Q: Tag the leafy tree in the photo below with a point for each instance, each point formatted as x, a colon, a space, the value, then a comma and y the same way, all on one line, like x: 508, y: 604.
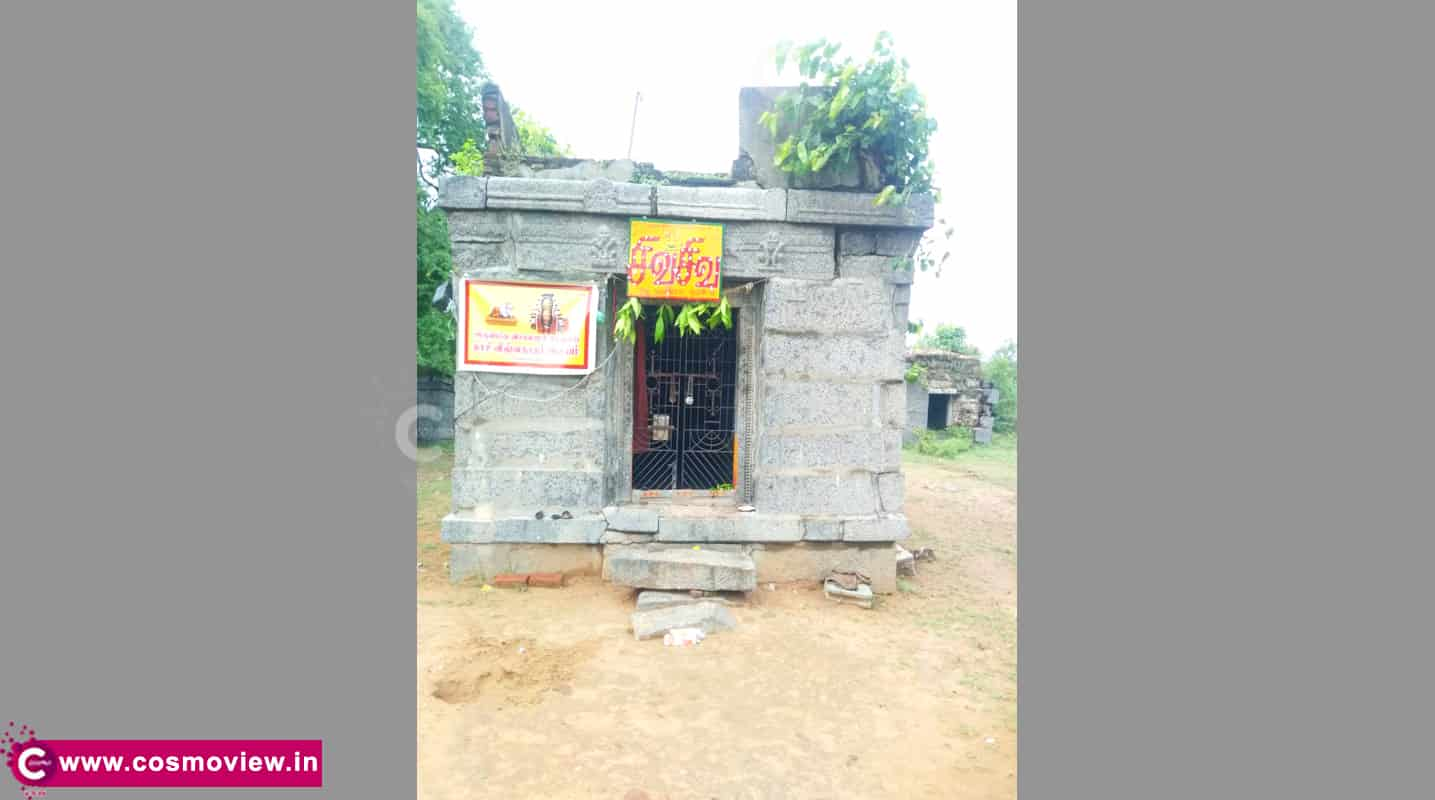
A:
x: 536, y: 140
x: 1000, y: 369
x: 952, y: 338
x: 450, y: 73
x: 866, y: 113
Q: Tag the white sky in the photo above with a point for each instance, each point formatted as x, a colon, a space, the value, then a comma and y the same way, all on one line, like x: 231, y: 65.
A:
x: 575, y: 68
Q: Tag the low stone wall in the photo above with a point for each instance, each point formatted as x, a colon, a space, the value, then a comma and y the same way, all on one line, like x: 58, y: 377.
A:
x: 957, y: 376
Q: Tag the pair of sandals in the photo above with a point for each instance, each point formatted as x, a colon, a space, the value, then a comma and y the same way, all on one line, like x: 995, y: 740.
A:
x: 564, y: 515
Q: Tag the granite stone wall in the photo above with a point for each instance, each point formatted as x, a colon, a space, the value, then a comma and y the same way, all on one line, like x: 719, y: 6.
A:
x: 822, y: 323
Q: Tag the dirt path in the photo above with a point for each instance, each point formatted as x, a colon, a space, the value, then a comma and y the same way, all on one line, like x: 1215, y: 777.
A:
x: 546, y: 694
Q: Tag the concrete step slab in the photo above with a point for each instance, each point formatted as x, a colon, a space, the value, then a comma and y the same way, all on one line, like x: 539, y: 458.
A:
x: 708, y: 570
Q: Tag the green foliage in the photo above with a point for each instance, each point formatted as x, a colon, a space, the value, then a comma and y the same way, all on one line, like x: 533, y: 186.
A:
x: 450, y: 72
x: 926, y: 258
x: 435, y: 326
x: 536, y: 140
x: 866, y: 114
x: 916, y: 373
x: 1000, y: 369
x: 689, y: 318
x: 468, y: 160
x: 949, y: 443
x: 952, y: 338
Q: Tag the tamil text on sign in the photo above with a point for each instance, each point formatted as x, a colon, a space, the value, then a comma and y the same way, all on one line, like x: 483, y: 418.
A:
x: 674, y: 260
x: 542, y: 328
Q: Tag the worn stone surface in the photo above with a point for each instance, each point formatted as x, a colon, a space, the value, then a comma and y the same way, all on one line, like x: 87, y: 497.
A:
x: 649, y: 599
x: 753, y: 527
x: 812, y: 561
x: 767, y: 249
x: 618, y: 170
x: 846, y: 492
x: 906, y: 563
x: 479, y: 397
x: 462, y: 192
x: 523, y: 491
x: 722, y: 203
x: 887, y: 269
x: 894, y: 403
x: 709, y: 616
x: 883, y: 528
x: 568, y: 244
x: 552, y: 442
x: 852, y: 208
x: 917, y: 401
x: 600, y: 196
x: 631, y: 519
x: 862, y: 595
x: 891, y: 488
x: 804, y: 404
x: 678, y: 568
x: 982, y: 435
x: 861, y: 448
x: 833, y: 356
x: 622, y: 537
x: 474, y: 527
x: 851, y: 305
x: 821, y: 530
x: 486, y: 560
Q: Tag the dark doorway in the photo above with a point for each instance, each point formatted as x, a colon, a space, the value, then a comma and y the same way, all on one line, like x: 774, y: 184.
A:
x: 937, y: 413
x: 684, y: 408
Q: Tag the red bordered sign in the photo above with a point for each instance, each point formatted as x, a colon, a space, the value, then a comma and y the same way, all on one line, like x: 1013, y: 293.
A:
x: 527, y: 327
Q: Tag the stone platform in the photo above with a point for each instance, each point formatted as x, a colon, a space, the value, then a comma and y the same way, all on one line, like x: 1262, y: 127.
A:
x: 631, y: 544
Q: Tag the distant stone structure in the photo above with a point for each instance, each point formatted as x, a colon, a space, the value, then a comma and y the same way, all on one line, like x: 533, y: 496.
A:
x: 819, y: 402
x: 949, y: 393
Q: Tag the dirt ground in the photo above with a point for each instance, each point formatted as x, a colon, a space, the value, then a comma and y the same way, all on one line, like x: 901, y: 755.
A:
x: 545, y: 693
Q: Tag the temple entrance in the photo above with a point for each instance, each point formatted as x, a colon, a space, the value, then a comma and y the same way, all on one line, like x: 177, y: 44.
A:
x: 938, y: 411
x: 685, y: 409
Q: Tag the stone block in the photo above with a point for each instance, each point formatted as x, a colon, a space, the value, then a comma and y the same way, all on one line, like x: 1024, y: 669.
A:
x: 679, y: 568
x: 752, y: 527
x: 586, y: 529
x: 861, y: 448
x: 842, y: 492
x: 982, y: 435
x: 767, y: 249
x: 882, y: 528
x: 484, y: 260
x: 618, y: 170
x: 620, y: 537
x: 545, y: 241
x: 523, y: 491
x: 600, y: 196
x: 856, y: 242
x: 813, y: 561
x: 893, y: 399
x: 479, y: 397
x: 891, y: 488
x: 892, y: 449
x: 651, y: 599
x: 552, y: 442
x: 834, y: 356
x: 906, y: 563
x: 487, y: 560
x: 632, y: 519
x: 986, y: 421
x: 721, y: 202
x: 709, y: 616
x: 801, y: 306
x: 901, y: 243
x: 851, y: 208
x: 821, y: 530
x: 902, y: 295
x: 818, y: 403
x: 885, y: 268
x: 462, y: 192
x: 467, y: 526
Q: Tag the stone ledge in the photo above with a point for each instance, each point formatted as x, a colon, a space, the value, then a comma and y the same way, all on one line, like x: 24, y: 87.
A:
x: 883, y: 528
x: 462, y: 192
x: 722, y: 203
x: 855, y: 208
x: 601, y: 196
x: 470, y: 528
x: 631, y: 519
x: 750, y: 527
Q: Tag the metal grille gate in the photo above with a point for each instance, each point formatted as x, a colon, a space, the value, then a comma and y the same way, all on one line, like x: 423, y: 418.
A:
x: 691, y: 391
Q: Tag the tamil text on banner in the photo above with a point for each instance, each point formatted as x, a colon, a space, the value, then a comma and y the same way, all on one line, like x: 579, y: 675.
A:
x: 540, y: 328
x: 674, y: 260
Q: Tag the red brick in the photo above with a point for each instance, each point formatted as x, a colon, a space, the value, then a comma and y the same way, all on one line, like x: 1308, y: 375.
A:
x: 546, y: 579
x: 510, y: 581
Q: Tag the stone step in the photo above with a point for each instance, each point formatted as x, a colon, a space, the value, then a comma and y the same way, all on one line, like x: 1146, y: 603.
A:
x: 709, y: 616
x: 679, y: 568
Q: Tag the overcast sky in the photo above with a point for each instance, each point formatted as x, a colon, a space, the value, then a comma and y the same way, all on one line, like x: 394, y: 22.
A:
x: 576, y: 69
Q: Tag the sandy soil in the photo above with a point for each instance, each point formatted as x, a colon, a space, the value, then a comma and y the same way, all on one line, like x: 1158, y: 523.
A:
x: 544, y: 693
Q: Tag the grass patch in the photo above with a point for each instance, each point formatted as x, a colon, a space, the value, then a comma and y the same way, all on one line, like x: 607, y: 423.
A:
x: 906, y: 586
x: 994, y: 463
